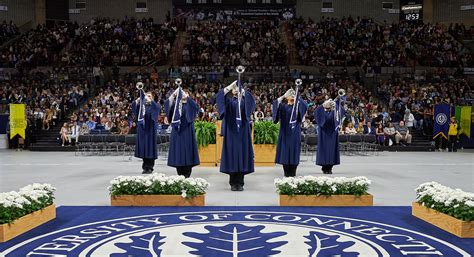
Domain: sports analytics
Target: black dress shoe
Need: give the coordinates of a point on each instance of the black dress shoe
(240, 188)
(234, 188)
(329, 172)
(147, 171)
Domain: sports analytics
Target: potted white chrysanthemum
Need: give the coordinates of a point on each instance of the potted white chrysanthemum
(26, 209)
(157, 190)
(324, 191)
(447, 208)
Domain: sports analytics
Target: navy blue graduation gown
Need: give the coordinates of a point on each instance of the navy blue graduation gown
(328, 138)
(289, 140)
(183, 146)
(145, 146)
(237, 149)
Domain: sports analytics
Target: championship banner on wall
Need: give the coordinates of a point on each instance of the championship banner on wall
(17, 120)
(441, 120)
(463, 116)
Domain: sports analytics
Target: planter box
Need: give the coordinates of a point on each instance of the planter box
(208, 155)
(463, 229)
(219, 142)
(26, 223)
(156, 200)
(334, 200)
(264, 155)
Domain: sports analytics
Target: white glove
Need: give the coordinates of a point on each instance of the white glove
(288, 93)
(230, 87)
(329, 104)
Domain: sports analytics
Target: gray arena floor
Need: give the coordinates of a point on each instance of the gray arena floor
(84, 180)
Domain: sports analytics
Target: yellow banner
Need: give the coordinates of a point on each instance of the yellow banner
(465, 122)
(17, 120)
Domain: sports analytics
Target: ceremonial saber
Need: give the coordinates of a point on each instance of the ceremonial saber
(240, 69)
(294, 111)
(178, 82)
(340, 94)
(141, 111)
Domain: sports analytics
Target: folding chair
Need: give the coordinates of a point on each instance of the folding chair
(370, 144)
(343, 143)
(311, 143)
(355, 143)
(129, 147)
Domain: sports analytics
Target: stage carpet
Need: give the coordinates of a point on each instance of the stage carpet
(236, 231)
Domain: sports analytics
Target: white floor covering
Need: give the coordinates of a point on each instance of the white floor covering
(83, 180)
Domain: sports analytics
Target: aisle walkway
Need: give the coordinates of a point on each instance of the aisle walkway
(84, 180)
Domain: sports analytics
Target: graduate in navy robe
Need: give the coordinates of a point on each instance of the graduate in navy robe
(237, 157)
(147, 116)
(289, 139)
(328, 136)
(181, 111)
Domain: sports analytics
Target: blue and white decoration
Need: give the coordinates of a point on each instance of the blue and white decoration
(237, 232)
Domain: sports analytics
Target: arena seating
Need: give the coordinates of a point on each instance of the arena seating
(74, 92)
(231, 43)
(364, 42)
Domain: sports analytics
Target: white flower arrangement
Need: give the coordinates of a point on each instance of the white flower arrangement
(158, 184)
(310, 185)
(453, 202)
(31, 198)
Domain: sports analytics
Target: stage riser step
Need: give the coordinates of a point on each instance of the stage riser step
(50, 148)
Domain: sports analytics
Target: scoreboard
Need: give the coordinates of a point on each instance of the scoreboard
(411, 10)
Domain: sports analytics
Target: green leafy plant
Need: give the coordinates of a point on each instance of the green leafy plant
(205, 133)
(265, 132)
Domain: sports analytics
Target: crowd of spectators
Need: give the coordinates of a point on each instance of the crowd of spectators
(234, 42)
(419, 97)
(38, 47)
(461, 32)
(407, 108)
(7, 31)
(48, 98)
(392, 112)
(101, 41)
(398, 107)
(127, 42)
(360, 42)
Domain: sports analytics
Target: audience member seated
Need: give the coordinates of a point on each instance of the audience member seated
(64, 133)
(380, 134)
(350, 130)
(74, 132)
(369, 130)
(402, 134)
(390, 133)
